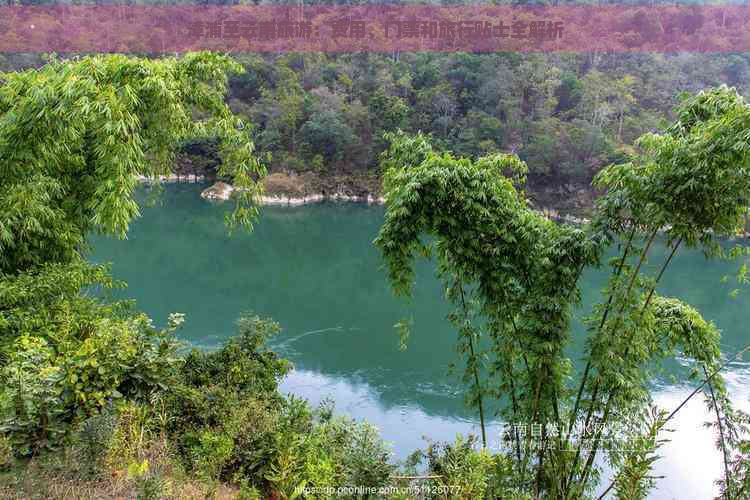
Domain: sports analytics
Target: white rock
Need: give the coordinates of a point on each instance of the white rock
(219, 191)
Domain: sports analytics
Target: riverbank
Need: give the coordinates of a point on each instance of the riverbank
(567, 203)
(293, 189)
(221, 191)
(296, 190)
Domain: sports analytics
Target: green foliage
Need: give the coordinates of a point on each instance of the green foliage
(465, 472)
(75, 134)
(50, 385)
(92, 441)
(243, 363)
(587, 105)
(211, 452)
(47, 300)
(317, 163)
(359, 448)
(389, 113)
(230, 423)
(325, 134)
(80, 372)
(520, 267)
(512, 276)
(692, 182)
(6, 453)
(635, 463)
(32, 411)
(692, 179)
(67, 355)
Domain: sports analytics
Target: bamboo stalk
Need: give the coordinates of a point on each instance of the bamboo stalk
(685, 401)
(474, 366)
(607, 407)
(601, 325)
(724, 455)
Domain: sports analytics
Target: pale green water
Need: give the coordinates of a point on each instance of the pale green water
(314, 270)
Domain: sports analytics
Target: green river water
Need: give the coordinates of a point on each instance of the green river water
(315, 271)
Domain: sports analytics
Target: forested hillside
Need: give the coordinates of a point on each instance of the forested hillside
(566, 115)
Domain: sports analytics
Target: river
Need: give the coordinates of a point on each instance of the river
(315, 271)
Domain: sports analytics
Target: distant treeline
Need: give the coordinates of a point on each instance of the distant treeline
(566, 115)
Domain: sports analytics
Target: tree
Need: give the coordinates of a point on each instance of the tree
(479, 134)
(289, 96)
(325, 133)
(513, 276)
(74, 136)
(389, 112)
(436, 107)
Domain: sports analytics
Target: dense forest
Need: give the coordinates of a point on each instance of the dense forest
(565, 115)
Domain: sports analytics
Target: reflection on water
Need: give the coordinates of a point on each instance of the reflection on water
(690, 465)
(314, 270)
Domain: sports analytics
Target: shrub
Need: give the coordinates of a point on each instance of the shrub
(49, 387)
(92, 442)
(32, 414)
(467, 472)
(211, 451)
(6, 453)
(137, 415)
(230, 423)
(358, 447)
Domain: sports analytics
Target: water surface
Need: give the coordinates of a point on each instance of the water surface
(315, 271)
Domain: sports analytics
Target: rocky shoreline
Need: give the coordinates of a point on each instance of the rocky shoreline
(191, 179)
(283, 196)
(222, 191)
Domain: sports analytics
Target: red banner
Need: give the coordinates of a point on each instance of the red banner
(374, 28)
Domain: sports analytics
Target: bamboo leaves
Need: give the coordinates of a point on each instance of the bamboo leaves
(519, 268)
(86, 128)
(692, 183)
